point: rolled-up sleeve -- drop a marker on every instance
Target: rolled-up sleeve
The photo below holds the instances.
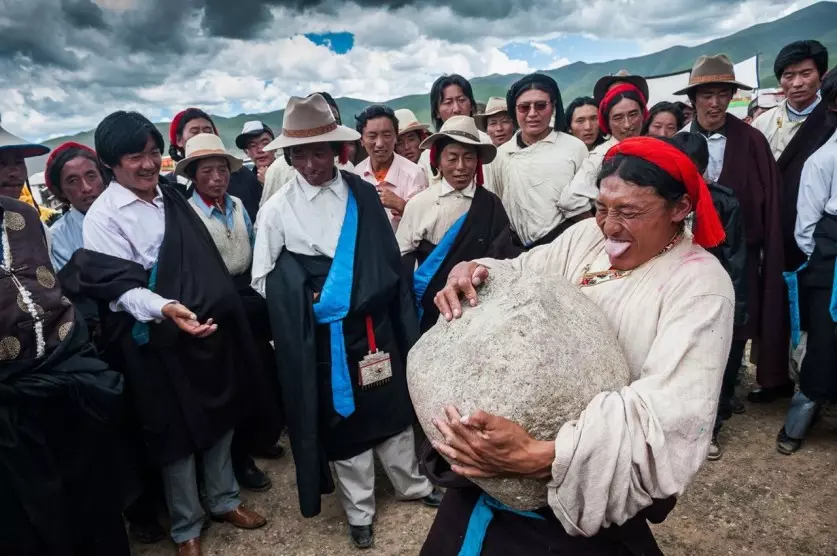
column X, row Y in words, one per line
column 648, row 440
column 270, row 240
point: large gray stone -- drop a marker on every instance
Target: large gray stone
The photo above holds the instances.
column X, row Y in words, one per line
column 534, row 350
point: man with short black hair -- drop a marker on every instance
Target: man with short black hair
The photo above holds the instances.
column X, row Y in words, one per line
column 248, row 184
column 396, row 178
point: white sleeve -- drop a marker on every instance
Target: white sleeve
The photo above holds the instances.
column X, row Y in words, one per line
column 578, row 197
column 814, row 191
column 648, row 440
column 270, row 240
column 407, row 235
column 141, row 303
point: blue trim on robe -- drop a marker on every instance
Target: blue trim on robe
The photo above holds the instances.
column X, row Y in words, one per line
column 140, row 331
column 333, row 306
column 481, row 517
column 428, row 269
column 833, row 307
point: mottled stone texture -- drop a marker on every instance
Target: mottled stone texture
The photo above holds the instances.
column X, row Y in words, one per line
column 535, row 350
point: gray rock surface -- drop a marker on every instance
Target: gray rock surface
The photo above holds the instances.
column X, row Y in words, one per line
column 534, row 350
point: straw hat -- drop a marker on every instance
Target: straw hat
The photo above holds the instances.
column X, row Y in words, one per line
column 495, row 105
column 408, row 122
column 604, row 84
column 712, row 70
column 205, row 145
column 463, row 129
column 9, row 141
column 309, row 120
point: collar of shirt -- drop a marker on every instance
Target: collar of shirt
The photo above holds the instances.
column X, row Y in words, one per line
column 123, row 196
column 336, row 186
column 697, row 128
column 797, row 115
column 447, row 189
column 209, row 209
column 551, row 138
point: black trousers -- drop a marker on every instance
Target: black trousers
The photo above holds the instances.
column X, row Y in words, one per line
column 736, row 352
column 818, row 374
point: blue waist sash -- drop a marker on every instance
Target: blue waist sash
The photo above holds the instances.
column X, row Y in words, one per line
column 333, row 306
column 140, row 331
column 792, row 280
column 428, row 269
column 481, row 517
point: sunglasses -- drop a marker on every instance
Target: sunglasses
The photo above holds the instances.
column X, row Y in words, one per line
column 525, row 107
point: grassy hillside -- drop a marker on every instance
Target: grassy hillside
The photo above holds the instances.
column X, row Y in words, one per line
column 818, row 21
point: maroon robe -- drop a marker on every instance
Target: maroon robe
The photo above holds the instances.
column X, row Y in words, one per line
column 752, row 173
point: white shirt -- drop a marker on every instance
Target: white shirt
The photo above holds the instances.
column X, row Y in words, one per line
column 406, row 178
column 122, row 225
column 579, row 196
column 717, row 144
column 431, row 213
column 673, row 318
column 531, row 181
column 778, row 128
column 817, row 193
column 302, row 218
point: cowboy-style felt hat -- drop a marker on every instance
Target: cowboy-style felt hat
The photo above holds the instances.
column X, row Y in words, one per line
column 408, row 122
column 463, row 129
column 11, row 142
column 604, row 84
column 713, row 70
column 205, row 145
column 495, row 105
column 310, row 120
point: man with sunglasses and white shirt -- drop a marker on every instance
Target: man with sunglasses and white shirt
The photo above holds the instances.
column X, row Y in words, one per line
column 533, row 167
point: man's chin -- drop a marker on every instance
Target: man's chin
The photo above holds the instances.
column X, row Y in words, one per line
column 12, row 191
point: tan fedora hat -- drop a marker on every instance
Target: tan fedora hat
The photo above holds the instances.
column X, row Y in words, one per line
column 463, row 129
column 27, row 149
column 495, row 105
column 205, row 145
column 408, row 122
column 310, row 120
column 713, row 70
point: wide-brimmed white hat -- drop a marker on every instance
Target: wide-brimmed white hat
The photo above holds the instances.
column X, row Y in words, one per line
column 205, row 145
column 9, row 141
column 310, row 120
column 408, row 122
column 495, row 105
column 463, row 129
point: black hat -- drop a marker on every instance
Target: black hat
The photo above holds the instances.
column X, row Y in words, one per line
column 603, row 85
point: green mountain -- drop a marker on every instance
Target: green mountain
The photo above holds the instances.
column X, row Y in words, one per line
column 814, row 22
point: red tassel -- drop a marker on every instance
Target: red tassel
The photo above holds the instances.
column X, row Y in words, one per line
column 433, row 157
column 343, row 156
column 480, row 179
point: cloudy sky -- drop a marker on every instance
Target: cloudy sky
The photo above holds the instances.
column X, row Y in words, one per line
column 67, row 63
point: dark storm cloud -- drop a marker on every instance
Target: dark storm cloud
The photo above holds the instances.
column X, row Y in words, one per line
column 84, row 14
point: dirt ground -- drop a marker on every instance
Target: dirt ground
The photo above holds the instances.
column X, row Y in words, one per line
column 753, row 501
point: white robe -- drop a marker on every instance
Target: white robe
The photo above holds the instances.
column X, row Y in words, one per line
column 777, row 128
column 673, row 318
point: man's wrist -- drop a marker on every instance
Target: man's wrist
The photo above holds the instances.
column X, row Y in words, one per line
column 541, row 454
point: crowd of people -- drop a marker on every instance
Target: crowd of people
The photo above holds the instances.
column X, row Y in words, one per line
column 167, row 329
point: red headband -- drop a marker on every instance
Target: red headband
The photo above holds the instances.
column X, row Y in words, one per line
column 617, row 90
column 707, row 230
column 53, row 187
column 176, row 122
column 478, row 177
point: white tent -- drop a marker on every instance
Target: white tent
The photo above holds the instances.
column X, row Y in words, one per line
column 662, row 87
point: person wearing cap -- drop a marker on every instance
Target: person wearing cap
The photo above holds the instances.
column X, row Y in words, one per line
column 454, row 220
column 533, row 168
column 74, row 176
column 177, row 328
column 740, row 158
column 496, row 121
column 816, row 285
column 62, row 407
column 185, row 125
column 343, row 321
column 396, row 178
column 13, row 173
column 452, row 95
column 583, row 121
column 796, row 127
column 254, row 137
column 281, row 171
column 622, row 100
column 411, row 133
column 631, row 452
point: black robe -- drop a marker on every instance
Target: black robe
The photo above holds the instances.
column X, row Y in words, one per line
column 64, row 472
column 245, row 185
column 814, row 132
column 317, row 433
column 189, row 391
column 486, row 232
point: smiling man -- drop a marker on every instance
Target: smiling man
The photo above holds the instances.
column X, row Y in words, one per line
column 396, row 178
column 740, row 158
